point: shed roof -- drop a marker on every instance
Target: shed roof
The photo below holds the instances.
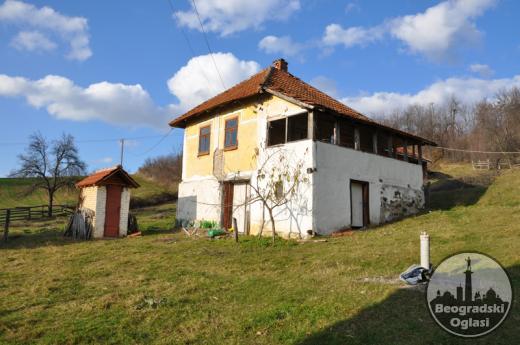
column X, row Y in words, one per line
column 115, row 175
column 280, row 82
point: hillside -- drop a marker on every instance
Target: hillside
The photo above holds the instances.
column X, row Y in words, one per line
column 165, row 288
column 17, row 192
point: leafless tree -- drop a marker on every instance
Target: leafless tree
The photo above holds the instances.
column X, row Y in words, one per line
column 53, row 165
column 280, row 176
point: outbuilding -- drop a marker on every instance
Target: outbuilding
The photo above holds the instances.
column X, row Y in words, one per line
column 107, row 194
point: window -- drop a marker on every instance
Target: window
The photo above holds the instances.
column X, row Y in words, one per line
column 204, row 136
column 325, row 124
column 366, row 139
column 297, row 127
column 231, row 132
column 346, row 134
column 276, row 132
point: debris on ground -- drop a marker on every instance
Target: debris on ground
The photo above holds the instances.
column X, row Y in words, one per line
column 416, row 274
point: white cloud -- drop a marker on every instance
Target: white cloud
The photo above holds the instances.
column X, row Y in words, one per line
column 436, row 33
column 351, row 7
column 129, row 105
column 483, row 70
column 280, row 45
column 335, row 34
column 229, row 16
column 469, row 90
column 326, row 85
column 114, row 103
column 32, row 41
column 104, row 160
column 73, row 30
column 198, row 80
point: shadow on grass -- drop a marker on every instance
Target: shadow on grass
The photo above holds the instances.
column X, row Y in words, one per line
column 448, row 192
column 403, row 318
column 42, row 238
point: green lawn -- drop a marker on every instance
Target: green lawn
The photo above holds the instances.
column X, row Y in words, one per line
column 17, row 192
column 164, row 288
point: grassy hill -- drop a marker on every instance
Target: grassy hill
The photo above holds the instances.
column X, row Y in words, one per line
column 17, row 192
column 165, row 288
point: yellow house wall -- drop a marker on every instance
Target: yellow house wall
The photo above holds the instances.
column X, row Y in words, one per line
column 250, row 133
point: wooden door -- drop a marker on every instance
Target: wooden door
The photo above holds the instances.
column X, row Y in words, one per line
column 359, row 204
column 227, row 206
column 112, row 211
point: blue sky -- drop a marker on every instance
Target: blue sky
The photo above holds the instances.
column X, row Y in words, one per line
column 109, row 69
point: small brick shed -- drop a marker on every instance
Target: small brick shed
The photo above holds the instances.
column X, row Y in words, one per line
column 107, row 193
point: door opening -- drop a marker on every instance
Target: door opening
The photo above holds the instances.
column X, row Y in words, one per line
column 359, row 210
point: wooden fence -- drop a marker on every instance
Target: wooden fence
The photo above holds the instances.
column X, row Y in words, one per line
column 8, row 215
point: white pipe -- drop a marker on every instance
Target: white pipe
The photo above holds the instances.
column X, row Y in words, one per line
column 425, row 250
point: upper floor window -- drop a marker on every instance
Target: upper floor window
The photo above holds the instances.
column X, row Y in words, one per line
column 231, row 134
column 288, row 129
column 204, row 140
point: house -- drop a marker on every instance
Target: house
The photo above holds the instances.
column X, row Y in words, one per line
column 359, row 172
column 107, row 193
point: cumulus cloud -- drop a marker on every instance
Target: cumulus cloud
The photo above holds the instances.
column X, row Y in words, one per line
column 483, row 70
column 114, row 103
column 32, row 41
column 229, row 16
column 73, row 30
column 335, row 34
column 280, row 45
column 469, row 90
column 129, row 105
column 435, row 33
column 198, row 80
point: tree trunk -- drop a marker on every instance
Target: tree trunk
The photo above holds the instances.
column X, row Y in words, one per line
column 51, row 202
column 272, row 223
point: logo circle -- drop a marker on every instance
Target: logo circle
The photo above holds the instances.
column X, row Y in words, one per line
column 469, row 294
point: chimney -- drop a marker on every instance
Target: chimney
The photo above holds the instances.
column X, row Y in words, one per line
column 280, row 64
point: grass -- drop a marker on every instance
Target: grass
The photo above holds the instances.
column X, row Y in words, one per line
column 164, row 288
column 15, row 192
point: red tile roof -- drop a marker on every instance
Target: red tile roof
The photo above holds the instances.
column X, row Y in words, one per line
column 279, row 81
column 100, row 177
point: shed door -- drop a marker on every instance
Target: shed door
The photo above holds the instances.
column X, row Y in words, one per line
column 113, row 211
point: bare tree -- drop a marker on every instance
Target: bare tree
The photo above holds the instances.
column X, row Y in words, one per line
column 278, row 182
column 53, row 165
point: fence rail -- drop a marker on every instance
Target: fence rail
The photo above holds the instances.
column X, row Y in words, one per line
column 8, row 215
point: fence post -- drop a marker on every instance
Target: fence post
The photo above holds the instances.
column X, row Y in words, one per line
column 6, row 225
column 235, row 229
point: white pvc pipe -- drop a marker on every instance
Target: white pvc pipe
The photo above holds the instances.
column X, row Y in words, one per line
column 425, row 250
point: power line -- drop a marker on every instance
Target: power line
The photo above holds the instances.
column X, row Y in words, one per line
column 90, row 140
column 186, row 38
column 155, row 145
column 207, row 44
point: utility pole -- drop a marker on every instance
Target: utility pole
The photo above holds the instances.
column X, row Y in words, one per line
column 122, row 150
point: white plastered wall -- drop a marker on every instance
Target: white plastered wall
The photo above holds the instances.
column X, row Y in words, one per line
column 94, row 198
column 125, row 210
column 395, row 187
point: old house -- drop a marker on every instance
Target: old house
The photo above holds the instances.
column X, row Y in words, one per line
column 360, row 172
